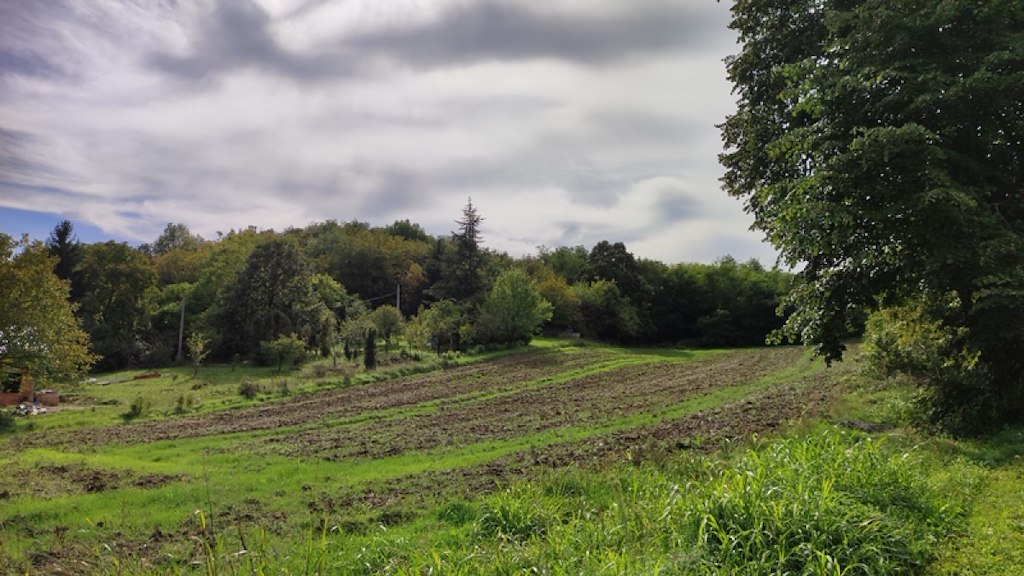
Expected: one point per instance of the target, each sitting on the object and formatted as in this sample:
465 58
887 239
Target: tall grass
831 503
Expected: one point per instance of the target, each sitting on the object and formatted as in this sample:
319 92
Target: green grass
817 500
107 397
830 503
993 540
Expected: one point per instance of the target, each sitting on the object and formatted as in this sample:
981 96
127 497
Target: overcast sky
566 121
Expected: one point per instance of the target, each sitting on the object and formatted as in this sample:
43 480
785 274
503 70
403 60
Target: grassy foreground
554 460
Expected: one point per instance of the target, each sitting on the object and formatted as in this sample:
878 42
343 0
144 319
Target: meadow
560 458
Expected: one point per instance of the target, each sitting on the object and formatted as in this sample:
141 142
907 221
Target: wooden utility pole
181 329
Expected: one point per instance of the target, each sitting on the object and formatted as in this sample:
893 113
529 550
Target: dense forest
338 288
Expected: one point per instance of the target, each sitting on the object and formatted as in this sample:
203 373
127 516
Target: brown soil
489 377
506 398
587 401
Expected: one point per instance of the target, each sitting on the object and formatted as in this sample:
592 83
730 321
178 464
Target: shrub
914 340
7 422
285 351
248 389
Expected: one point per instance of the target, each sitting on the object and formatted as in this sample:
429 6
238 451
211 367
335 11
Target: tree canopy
39 333
461 262
325 286
879 146
513 311
118 285
271 297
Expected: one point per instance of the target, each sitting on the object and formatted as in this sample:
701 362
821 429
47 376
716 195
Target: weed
512 515
829 503
138 408
457 513
184 404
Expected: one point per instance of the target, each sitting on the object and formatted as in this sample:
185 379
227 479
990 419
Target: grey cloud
15 189
237 35
676 205
21 157
27 63
26 38
528 169
397 194
365 141
635 126
505 31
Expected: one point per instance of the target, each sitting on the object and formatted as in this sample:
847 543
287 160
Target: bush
286 351
914 340
7 422
248 389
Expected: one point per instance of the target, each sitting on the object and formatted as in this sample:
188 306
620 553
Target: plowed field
375 454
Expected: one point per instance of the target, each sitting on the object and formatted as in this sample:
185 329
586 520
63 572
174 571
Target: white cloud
567 122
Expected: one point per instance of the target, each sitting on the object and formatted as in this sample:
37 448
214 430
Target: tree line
338 288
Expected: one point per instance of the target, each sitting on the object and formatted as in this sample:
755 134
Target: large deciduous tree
175 237
271 297
606 313
118 290
368 261
879 146
39 333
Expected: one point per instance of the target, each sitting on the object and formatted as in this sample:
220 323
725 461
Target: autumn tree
39 333
369 262
197 351
878 145
565 303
